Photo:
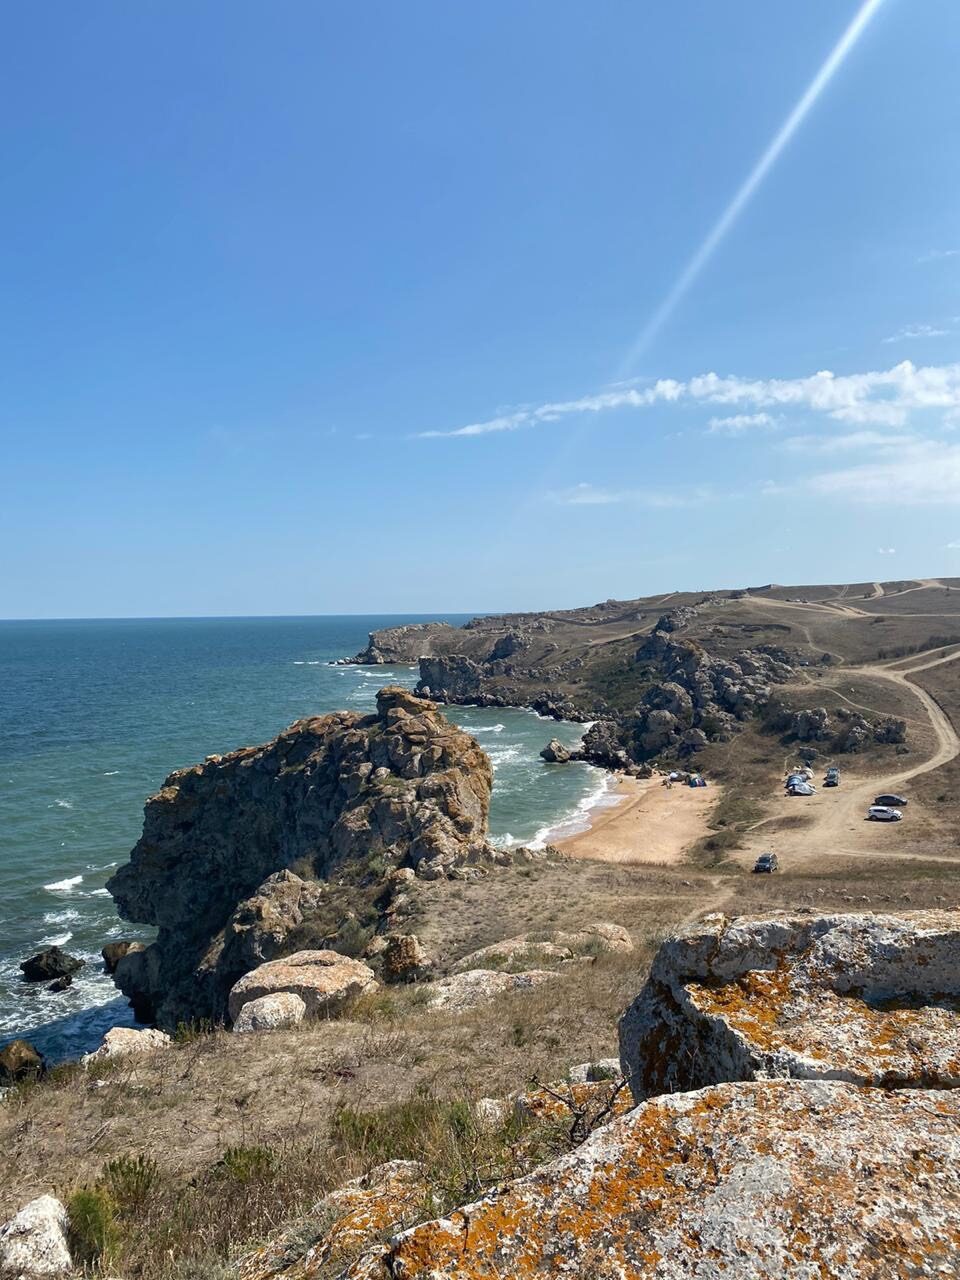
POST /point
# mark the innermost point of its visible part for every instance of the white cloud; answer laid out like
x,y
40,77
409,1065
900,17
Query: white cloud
x,y
847,442
587,495
883,397
737,423
954,546
935,255
925,473
917,331
886,551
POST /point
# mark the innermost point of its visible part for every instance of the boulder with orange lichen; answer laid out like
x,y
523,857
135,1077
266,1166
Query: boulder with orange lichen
x,y
812,1180
870,999
341,1225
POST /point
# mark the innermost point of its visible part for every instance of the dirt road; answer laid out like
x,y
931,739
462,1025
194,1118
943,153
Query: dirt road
x,y
833,822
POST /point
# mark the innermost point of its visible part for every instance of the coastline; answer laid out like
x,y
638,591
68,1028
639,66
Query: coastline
x,y
647,823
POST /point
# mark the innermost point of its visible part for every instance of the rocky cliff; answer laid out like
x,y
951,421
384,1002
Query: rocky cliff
x,y
237,855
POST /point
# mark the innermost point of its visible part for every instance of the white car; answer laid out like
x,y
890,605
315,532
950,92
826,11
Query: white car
x,y
883,813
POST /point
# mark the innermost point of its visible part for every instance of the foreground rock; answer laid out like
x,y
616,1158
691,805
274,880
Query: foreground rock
x,y
773,1179
49,964
464,991
325,981
121,1042
270,1013
213,869
341,1225
19,1060
33,1244
871,999
551,946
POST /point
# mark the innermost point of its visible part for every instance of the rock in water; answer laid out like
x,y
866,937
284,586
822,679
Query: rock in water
x,y
33,1244
324,980
555,752
271,1013
212,868
48,964
766,1179
871,999
19,1060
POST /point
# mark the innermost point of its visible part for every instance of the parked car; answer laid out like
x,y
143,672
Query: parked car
x,y
891,801
883,813
832,779
767,862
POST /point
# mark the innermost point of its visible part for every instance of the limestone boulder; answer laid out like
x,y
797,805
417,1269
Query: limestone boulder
x,y
800,1179
553,946
404,958
121,1042
555,752
325,981
113,952
464,991
33,1244
270,1013
871,999
19,1060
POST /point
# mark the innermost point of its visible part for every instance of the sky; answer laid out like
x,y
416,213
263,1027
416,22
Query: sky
x,y
338,308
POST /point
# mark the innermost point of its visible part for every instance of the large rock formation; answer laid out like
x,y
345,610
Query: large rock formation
x,y
33,1244
775,1179
405,644
212,870
871,999
325,981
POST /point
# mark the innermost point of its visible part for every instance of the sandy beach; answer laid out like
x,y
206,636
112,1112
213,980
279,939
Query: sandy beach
x,y
651,824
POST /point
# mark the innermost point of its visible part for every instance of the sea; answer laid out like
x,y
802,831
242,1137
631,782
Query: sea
x,y
95,714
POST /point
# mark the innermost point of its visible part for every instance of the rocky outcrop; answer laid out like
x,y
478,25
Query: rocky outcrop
x,y
404,958
747,1180
871,999
325,981
270,1013
121,1042
48,964
406,644
343,1223
553,946
555,752
450,679
464,991
603,745
213,868
114,952
33,1244
811,725
19,1060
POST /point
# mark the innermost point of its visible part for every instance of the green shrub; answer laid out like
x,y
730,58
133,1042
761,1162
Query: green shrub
x,y
92,1231
247,1164
129,1181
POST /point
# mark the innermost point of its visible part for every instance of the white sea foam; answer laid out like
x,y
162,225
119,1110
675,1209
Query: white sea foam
x,y
111,773
504,755
601,797
61,804
64,886
299,662
486,728
100,893
56,940
60,917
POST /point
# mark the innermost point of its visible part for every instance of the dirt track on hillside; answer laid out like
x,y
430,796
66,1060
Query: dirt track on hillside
x,y
833,823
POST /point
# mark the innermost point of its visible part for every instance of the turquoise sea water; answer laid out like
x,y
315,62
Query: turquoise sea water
x,y
94,715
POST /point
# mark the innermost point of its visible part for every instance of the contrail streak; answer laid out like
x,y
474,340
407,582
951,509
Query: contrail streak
x,y
753,180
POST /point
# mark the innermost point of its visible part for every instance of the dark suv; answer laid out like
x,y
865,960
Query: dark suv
x,y
832,779
890,800
767,862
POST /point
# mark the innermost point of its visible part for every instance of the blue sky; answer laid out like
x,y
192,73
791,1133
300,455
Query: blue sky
x,y
262,265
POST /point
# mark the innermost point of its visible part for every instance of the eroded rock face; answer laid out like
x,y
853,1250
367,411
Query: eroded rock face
x,y
212,869
50,963
325,981
871,999
556,945
114,952
19,1060
775,1179
33,1244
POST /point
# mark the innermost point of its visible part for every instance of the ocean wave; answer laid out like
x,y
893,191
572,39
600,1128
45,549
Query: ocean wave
x,y
61,804
111,773
299,662
55,940
485,728
60,917
63,886
601,797
100,893
504,755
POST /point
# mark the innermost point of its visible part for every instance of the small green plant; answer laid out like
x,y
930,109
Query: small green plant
x,y
129,1181
187,1032
247,1164
92,1231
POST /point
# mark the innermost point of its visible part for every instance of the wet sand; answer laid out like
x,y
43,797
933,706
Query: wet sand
x,y
651,824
